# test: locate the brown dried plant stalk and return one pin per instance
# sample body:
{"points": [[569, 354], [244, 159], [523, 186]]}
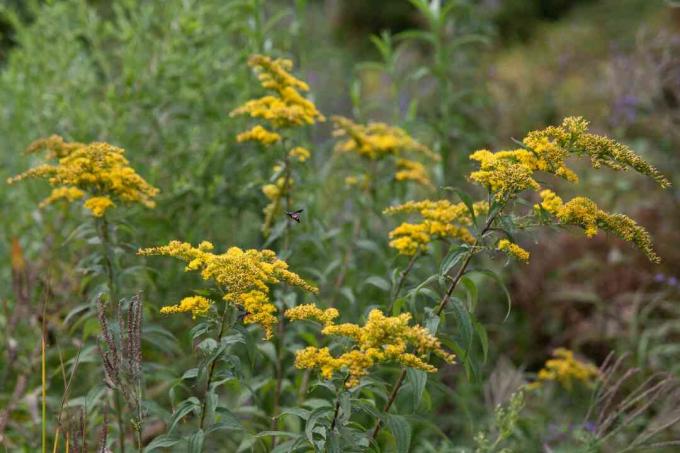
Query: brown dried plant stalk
{"points": [[121, 355]]}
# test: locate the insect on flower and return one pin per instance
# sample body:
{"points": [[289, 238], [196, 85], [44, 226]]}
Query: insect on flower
{"points": [[295, 215]]}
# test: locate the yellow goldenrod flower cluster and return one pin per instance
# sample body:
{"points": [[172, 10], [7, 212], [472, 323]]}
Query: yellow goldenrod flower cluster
{"points": [[573, 137], [311, 311], [506, 173], [513, 249], [502, 175], [244, 276], [442, 219], [566, 369], [381, 339], [585, 213], [197, 305], [259, 134], [96, 172], [299, 153], [284, 108], [411, 170], [375, 141]]}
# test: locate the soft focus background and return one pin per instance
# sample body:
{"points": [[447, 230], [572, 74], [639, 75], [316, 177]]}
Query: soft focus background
{"points": [[159, 77]]}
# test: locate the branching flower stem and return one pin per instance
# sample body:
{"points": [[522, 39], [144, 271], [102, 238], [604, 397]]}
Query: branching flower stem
{"points": [[438, 311], [281, 329]]}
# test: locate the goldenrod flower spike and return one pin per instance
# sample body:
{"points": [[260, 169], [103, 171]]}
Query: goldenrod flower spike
{"points": [[381, 339], [442, 219], [376, 140], [513, 249], [197, 305], [411, 170], [583, 212], [507, 173], [573, 137], [96, 172], [285, 107], [243, 275], [566, 369]]}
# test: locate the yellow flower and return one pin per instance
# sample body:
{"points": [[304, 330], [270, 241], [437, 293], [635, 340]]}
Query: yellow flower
{"points": [[513, 249], [244, 276], [381, 339], [572, 135], [550, 202], [311, 311], [375, 140], [501, 175], [98, 205], [585, 213], [197, 305], [442, 219], [411, 170], [98, 172], [285, 107], [507, 173], [259, 134], [299, 153], [566, 369]]}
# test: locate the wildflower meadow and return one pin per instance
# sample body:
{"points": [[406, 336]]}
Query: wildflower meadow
{"points": [[340, 226]]}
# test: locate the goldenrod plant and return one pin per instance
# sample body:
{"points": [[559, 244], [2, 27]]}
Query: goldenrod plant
{"points": [[197, 261]]}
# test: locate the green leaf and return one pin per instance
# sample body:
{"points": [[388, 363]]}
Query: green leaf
{"points": [[378, 282], [184, 408], [191, 373], [501, 283], [465, 198], [418, 381], [196, 442], [471, 289], [275, 434], [401, 430], [464, 323], [162, 441], [451, 259], [483, 338], [312, 421]]}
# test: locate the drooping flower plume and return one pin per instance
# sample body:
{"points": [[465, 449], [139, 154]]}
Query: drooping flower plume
{"points": [[583, 212], [97, 173], [244, 276], [505, 174], [381, 339]]}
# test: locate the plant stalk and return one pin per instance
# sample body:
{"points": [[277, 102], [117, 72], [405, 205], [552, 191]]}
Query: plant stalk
{"points": [[212, 367], [402, 280], [440, 308]]}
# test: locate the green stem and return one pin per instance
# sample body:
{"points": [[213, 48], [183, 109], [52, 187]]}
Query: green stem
{"points": [[212, 367], [402, 280], [103, 232], [118, 404], [278, 366]]}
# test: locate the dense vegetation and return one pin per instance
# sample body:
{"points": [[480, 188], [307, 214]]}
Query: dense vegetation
{"points": [[425, 226]]}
